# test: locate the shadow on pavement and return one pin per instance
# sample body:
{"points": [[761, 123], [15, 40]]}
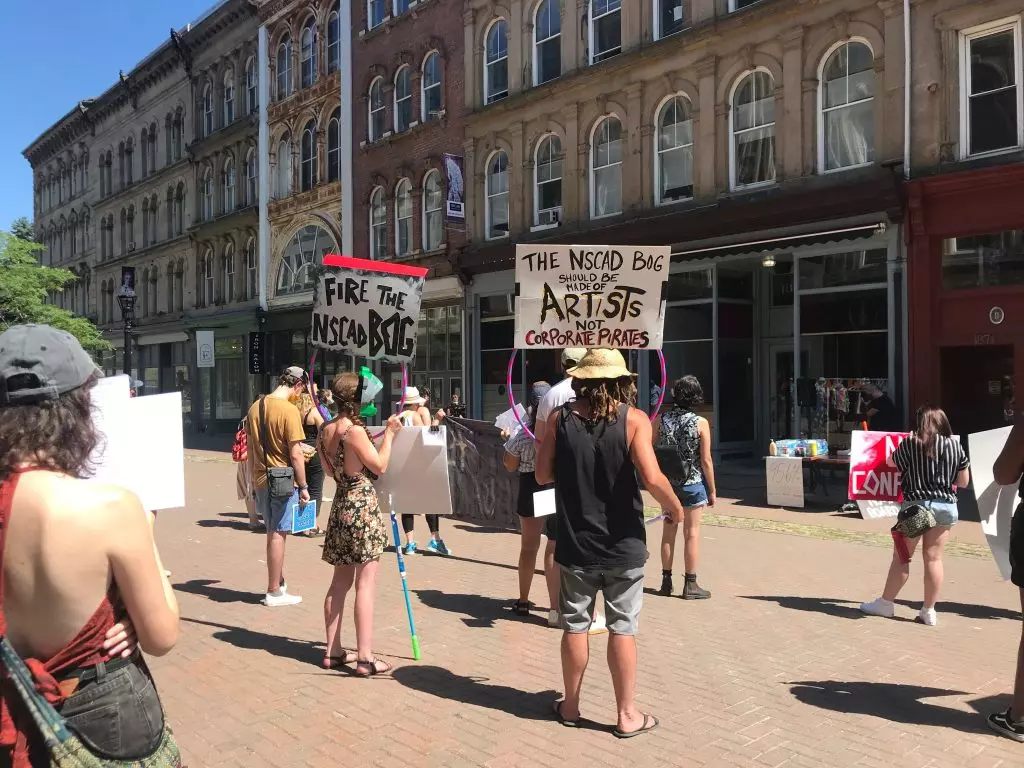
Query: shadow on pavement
{"points": [[472, 528], [845, 609], [893, 702], [478, 611], [968, 610], [238, 525], [205, 588], [305, 651]]}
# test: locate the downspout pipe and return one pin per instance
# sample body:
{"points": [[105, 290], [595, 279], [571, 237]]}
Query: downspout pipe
{"points": [[907, 86]]}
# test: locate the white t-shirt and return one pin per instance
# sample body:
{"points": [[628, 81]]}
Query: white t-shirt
{"points": [[557, 396]]}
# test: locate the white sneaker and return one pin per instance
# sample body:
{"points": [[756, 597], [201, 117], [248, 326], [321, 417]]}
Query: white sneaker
{"points": [[880, 607], [280, 598], [554, 619], [927, 617], [598, 625]]}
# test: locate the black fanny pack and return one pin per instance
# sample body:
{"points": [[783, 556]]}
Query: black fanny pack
{"points": [[280, 480]]}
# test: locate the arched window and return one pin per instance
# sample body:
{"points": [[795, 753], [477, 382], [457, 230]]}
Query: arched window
{"points": [[229, 185], [306, 249], [673, 152], [309, 156], [252, 84], [129, 157], [229, 97], [170, 287], [284, 69], [207, 109], [846, 116], [154, 289], [752, 128], [228, 279], [376, 11], [496, 62], [606, 168], [378, 225], [496, 209], [206, 194], [376, 119], [433, 199], [403, 218], [144, 293], [547, 179], [284, 168], [154, 211], [605, 29], [334, 40], [430, 84], [152, 147], [179, 285], [124, 231], [209, 279], [251, 178], [547, 41], [334, 146], [252, 272], [403, 99], [308, 53], [145, 222], [179, 131], [144, 146], [73, 230], [669, 18], [179, 210]]}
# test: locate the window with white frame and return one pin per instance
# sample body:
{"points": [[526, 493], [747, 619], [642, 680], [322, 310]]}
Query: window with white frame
{"points": [[433, 199], [739, 5], [403, 99], [605, 29], [229, 98], [496, 62], [673, 156], [606, 168], [207, 195], [991, 101], [209, 281], [846, 118], [252, 272], [547, 41], [752, 130], [252, 93], [308, 53], [207, 109], [284, 69], [252, 175], [378, 225], [403, 218], [377, 117], [430, 83], [229, 186], [309, 158], [669, 18], [496, 190], [400, 7], [334, 40], [376, 11], [334, 146], [229, 273], [547, 173], [284, 169]]}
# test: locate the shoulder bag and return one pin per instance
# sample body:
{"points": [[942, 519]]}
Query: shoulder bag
{"points": [[280, 480], [914, 521]]}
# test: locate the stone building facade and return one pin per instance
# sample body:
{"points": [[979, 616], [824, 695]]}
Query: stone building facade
{"points": [[409, 105]]}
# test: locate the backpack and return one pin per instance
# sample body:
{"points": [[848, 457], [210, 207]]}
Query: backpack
{"points": [[240, 448]]}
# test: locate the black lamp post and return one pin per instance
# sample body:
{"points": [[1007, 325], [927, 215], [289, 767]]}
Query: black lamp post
{"points": [[126, 300]]}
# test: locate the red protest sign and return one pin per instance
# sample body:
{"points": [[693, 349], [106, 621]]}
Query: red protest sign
{"points": [[873, 475]]}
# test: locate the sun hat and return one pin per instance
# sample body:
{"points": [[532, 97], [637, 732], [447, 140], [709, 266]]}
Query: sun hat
{"points": [[601, 364], [412, 397], [39, 363], [572, 355]]}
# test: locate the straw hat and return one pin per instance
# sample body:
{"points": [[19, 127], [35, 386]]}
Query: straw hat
{"points": [[413, 397], [601, 364]]}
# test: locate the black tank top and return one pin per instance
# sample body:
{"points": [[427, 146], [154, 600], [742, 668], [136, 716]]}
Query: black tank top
{"points": [[597, 495]]}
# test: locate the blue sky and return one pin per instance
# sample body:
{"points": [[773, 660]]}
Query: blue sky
{"points": [[87, 43]]}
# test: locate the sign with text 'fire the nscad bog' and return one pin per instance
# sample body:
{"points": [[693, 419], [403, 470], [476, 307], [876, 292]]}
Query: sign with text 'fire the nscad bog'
{"points": [[368, 309], [590, 296]]}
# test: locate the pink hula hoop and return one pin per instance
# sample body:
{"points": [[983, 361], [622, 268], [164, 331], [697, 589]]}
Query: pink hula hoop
{"points": [[515, 411], [327, 414]]}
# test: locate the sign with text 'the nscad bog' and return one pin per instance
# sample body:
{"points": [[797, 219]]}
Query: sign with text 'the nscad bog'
{"points": [[368, 309], [590, 296]]}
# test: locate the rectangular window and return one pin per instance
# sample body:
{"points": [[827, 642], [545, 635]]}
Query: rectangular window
{"points": [[376, 11], [739, 5], [670, 18], [983, 260], [991, 102], [841, 269], [605, 30], [230, 377]]}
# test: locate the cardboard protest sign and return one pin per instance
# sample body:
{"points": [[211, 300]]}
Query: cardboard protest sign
{"points": [[873, 475], [482, 490], [996, 503], [785, 481], [368, 309], [590, 296], [416, 482]]}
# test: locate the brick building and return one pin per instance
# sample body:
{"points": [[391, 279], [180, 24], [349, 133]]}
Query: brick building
{"points": [[409, 96]]}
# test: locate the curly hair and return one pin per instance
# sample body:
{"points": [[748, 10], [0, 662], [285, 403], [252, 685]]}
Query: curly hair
{"points": [[58, 435], [687, 393], [305, 403], [344, 388], [606, 395]]}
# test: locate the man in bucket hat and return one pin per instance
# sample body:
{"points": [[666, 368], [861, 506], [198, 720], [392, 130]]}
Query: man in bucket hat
{"points": [[593, 450]]}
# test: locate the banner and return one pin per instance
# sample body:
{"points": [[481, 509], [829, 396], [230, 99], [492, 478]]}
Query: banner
{"points": [[257, 356], [205, 357], [368, 309], [456, 203], [482, 489], [590, 296], [996, 503]]}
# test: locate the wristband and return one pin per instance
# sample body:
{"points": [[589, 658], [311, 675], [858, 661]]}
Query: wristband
{"points": [[303, 487]]}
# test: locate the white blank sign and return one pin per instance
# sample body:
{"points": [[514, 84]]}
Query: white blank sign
{"points": [[785, 476], [416, 482]]}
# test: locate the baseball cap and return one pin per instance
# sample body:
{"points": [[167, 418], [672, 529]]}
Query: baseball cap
{"points": [[294, 372], [39, 363], [573, 355]]}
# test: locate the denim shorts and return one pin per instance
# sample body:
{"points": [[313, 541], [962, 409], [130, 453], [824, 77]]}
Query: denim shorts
{"points": [[117, 714], [945, 512], [692, 495], [623, 590], [274, 511]]}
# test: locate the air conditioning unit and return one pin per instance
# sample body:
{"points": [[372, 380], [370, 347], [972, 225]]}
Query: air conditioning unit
{"points": [[131, 247], [551, 216]]}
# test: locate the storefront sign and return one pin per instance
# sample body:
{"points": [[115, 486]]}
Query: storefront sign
{"points": [[205, 357], [590, 296], [996, 315], [368, 309], [257, 353], [873, 475]]}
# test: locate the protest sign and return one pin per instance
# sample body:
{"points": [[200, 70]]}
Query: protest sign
{"points": [[590, 296], [785, 475], [368, 309], [416, 482], [482, 489], [873, 475], [995, 502]]}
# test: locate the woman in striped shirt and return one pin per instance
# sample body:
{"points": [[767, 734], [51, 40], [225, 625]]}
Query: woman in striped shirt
{"points": [[933, 465]]}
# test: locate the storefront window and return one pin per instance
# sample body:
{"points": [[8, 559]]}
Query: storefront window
{"points": [[497, 334], [437, 331], [841, 269], [455, 338], [230, 377], [150, 355], [180, 367], [736, 371], [689, 346], [691, 285], [983, 260]]}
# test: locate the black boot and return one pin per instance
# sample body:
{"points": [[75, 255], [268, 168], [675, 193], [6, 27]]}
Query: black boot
{"points": [[694, 591], [666, 583]]}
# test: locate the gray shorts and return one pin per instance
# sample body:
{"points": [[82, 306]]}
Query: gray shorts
{"points": [[274, 511], [623, 590]]}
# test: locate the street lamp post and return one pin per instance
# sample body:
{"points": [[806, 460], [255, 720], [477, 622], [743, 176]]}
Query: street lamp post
{"points": [[126, 300]]}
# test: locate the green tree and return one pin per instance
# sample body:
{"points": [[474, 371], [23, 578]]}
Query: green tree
{"points": [[24, 285], [22, 229]]}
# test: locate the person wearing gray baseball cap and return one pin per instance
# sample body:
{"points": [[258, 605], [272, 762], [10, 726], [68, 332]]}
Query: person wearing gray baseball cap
{"points": [[87, 588]]}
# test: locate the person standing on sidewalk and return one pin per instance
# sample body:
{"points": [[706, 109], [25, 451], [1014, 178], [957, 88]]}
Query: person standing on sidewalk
{"points": [[592, 451], [414, 414], [1007, 470], [690, 434], [275, 442], [312, 421]]}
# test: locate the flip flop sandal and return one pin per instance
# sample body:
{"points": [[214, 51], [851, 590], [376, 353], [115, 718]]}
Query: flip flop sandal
{"points": [[641, 730], [564, 720], [337, 662], [522, 607], [374, 667]]}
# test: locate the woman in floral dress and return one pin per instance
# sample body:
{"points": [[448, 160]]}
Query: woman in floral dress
{"points": [[356, 531]]}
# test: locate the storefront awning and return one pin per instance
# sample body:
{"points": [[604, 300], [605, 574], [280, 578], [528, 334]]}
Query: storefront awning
{"points": [[785, 242]]}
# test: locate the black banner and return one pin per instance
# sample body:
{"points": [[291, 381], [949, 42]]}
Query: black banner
{"points": [[257, 353], [483, 491]]}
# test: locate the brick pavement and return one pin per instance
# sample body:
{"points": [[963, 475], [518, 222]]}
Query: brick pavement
{"points": [[777, 669]]}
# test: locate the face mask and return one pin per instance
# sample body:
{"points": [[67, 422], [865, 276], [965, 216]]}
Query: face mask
{"points": [[369, 388]]}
